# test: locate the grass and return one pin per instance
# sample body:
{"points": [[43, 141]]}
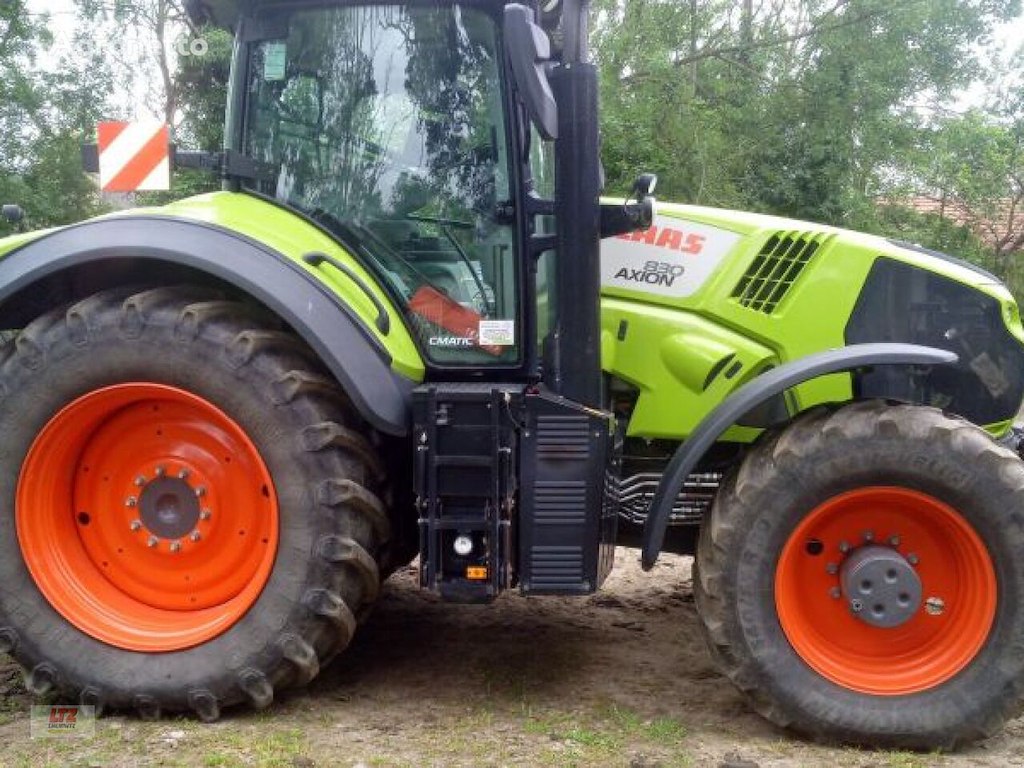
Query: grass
{"points": [[605, 735]]}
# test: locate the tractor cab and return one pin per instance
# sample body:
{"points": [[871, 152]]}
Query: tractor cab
{"points": [[422, 137], [389, 126], [452, 150]]}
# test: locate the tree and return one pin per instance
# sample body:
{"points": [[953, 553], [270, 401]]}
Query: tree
{"points": [[797, 108], [44, 118]]}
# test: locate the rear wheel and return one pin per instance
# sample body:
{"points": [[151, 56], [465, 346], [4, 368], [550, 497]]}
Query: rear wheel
{"points": [[861, 578], [193, 510]]}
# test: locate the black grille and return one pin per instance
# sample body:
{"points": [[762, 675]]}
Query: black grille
{"points": [[775, 270], [563, 436], [557, 502], [555, 567]]}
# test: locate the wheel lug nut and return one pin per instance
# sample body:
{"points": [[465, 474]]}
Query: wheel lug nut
{"points": [[152, 541], [868, 535], [135, 525], [131, 501], [856, 606], [183, 474], [159, 471], [894, 541], [175, 546], [200, 490], [832, 568], [844, 547], [913, 559], [204, 514], [140, 480], [835, 593], [195, 536]]}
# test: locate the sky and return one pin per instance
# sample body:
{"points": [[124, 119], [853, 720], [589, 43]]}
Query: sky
{"points": [[63, 20]]}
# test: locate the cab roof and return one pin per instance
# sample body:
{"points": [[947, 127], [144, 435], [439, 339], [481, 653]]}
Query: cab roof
{"points": [[225, 13]]}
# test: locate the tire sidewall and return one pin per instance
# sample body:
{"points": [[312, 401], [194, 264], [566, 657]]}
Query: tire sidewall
{"points": [[33, 394], [797, 486]]}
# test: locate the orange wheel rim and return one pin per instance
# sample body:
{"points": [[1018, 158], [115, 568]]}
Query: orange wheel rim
{"points": [[147, 517], [939, 638]]}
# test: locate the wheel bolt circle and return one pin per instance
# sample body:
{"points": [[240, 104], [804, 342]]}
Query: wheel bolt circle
{"points": [[152, 541], [135, 525]]}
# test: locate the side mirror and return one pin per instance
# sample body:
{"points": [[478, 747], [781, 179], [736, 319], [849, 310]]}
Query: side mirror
{"points": [[629, 217], [14, 214], [529, 51], [644, 186]]}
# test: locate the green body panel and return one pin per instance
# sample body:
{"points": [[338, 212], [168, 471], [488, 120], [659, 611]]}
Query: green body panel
{"points": [[669, 356], [673, 341], [292, 237], [669, 345]]}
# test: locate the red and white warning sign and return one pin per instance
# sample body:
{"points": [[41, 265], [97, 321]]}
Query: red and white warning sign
{"points": [[134, 156]]}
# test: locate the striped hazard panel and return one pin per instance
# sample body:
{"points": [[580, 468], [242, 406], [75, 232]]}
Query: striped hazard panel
{"points": [[133, 156]]}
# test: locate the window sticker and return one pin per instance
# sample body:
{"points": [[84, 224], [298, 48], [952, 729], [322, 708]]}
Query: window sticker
{"points": [[497, 333], [274, 57]]}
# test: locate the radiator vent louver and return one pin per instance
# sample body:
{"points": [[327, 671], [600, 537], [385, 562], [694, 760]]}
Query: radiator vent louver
{"points": [[776, 269]]}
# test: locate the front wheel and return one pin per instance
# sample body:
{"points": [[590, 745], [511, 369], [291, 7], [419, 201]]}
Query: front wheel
{"points": [[191, 513], [861, 578]]}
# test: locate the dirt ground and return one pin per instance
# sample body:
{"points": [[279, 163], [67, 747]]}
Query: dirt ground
{"points": [[617, 679]]}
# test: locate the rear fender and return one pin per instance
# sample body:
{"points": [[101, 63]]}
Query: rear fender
{"points": [[350, 350]]}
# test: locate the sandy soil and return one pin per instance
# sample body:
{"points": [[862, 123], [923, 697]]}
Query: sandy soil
{"points": [[618, 679]]}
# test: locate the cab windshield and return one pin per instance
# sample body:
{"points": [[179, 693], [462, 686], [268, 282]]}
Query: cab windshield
{"points": [[385, 124]]}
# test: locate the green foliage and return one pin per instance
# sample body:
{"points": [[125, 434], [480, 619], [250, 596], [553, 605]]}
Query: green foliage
{"points": [[815, 109], [810, 109], [45, 116], [202, 85]]}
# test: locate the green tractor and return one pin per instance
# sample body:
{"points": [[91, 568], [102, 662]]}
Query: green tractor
{"points": [[409, 327]]}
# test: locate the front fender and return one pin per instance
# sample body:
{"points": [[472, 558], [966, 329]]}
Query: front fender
{"points": [[765, 386], [348, 348]]}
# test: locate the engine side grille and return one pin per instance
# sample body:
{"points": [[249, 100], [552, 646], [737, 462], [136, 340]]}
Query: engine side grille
{"points": [[566, 437], [689, 508], [776, 269]]}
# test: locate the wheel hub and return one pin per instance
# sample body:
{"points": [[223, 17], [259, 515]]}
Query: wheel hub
{"points": [[880, 586], [885, 590], [168, 508], [165, 531]]}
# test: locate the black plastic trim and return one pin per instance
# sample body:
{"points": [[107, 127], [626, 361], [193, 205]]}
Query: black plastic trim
{"points": [[765, 386], [352, 353], [315, 259], [946, 257]]}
